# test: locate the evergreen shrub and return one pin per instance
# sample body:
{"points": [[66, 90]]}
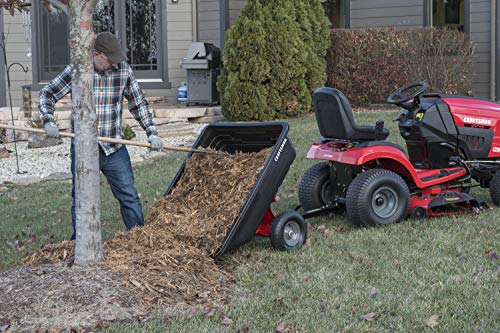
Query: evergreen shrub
{"points": [[274, 58]]}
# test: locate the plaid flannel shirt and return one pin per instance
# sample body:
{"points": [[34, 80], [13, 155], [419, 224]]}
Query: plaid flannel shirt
{"points": [[109, 89]]}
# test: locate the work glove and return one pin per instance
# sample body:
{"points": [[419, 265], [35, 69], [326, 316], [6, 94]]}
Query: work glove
{"points": [[52, 130], [156, 142]]}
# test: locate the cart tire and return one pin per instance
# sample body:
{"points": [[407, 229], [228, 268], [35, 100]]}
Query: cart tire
{"points": [[377, 197], [495, 188], [315, 188], [288, 231]]}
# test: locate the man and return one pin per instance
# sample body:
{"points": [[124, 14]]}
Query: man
{"points": [[113, 80]]}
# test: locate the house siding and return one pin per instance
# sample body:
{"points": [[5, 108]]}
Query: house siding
{"points": [[209, 22], [480, 34], [17, 51], [179, 37], [235, 7], [386, 13]]}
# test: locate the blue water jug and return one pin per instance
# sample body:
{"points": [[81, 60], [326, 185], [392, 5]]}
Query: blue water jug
{"points": [[182, 93]]}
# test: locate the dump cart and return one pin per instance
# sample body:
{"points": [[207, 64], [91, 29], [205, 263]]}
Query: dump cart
{"points": [[287, 230]]}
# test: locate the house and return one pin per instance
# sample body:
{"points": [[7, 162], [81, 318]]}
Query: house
{"points": [[159, 32]]}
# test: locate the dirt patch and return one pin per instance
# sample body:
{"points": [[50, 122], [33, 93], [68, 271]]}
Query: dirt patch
{"points": [[59, 294], [167, 262]]}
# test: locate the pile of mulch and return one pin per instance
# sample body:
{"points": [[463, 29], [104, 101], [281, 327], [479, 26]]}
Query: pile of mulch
{"points": [[168, 261], [59, 295]]}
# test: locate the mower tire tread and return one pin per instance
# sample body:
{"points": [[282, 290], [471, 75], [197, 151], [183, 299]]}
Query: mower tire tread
{"points": [[277, 232], [359, 199], [310, 186], [495, 188]]}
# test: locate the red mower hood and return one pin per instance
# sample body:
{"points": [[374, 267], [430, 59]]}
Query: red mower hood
{"points": [[471, 105]]}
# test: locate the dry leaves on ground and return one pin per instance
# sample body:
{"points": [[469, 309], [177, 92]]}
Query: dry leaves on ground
{"points": [[432, 321]]}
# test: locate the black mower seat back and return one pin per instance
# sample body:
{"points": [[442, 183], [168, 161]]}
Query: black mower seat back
{"points": [[335, 119]]}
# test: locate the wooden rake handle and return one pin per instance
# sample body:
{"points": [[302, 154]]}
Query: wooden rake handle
{"points": [[110, 140]]}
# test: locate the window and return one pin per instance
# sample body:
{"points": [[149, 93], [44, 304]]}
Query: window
{"points": [[448, 13], [335, 13], [137, 23], [136, 26], [53, 34]]}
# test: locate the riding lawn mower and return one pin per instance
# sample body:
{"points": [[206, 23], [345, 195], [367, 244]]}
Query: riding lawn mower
{"points": [[453, 143]]}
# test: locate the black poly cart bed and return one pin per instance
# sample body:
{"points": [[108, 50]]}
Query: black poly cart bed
{"points": [[247, 138]]}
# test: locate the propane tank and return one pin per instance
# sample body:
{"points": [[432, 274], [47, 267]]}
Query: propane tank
{"points": [[182, 93]]}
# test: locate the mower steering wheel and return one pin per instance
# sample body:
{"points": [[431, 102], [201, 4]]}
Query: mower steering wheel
{"points": [[403, 98]]}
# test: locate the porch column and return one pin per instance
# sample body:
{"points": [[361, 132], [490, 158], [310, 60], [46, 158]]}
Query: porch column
{"points": [[497, 53], [224, 20]]}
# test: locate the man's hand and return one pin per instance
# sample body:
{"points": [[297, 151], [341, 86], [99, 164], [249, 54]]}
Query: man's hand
{"points": [[156, 142], [51, 130]]}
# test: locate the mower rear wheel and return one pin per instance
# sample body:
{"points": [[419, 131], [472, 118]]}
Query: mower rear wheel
{"points": [[288, 231], [315, 190], [495, 188], [377, 196]]}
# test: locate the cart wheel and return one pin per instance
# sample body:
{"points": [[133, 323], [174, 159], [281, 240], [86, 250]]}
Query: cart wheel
{"points": [[288, 231], [418, 213], [377, 196], [315, 189], [495, 189]]}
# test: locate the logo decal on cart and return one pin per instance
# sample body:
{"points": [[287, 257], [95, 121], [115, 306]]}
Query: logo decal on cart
{"points": [[496, 149], [280, 150]]}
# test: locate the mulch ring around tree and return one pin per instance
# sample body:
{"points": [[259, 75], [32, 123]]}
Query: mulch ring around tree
{"points": [[165, 263]]}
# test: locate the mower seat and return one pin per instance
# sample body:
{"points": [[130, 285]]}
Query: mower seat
{"points": [[335, 119]]}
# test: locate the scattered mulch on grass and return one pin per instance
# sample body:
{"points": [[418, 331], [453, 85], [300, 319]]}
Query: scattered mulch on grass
{"points": [[168, 261]]}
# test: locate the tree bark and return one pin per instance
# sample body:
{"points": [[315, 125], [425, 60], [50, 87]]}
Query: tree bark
{"points": [[88, 245]]}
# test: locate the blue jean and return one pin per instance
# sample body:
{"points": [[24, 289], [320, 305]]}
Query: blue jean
{"points": [[118, 171]]}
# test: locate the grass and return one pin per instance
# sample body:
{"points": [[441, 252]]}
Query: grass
{"points": [[438, 266]]}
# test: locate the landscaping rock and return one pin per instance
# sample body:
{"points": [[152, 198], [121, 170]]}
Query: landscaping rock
{"points": [[59, 176], [213, 111], [207, 119], [4, 153], [39, 164], [36, 140], [9, 134]]}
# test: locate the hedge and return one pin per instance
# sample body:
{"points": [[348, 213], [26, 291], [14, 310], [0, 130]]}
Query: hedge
{"points": [[368, 64]]}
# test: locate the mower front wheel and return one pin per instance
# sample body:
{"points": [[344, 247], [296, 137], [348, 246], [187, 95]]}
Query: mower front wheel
{"points": [[377, 196], [495, 188], [288, 231]]}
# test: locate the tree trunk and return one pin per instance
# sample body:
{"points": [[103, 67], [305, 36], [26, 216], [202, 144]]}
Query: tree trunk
{"points": [[88, 246]]}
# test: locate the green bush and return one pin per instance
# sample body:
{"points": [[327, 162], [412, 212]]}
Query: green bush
{"points": [[368, 64], [3, 133], [274, 57], [128, 132]]}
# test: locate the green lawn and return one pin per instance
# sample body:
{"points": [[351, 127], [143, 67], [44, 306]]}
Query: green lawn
{"points": [[440, 267]]}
